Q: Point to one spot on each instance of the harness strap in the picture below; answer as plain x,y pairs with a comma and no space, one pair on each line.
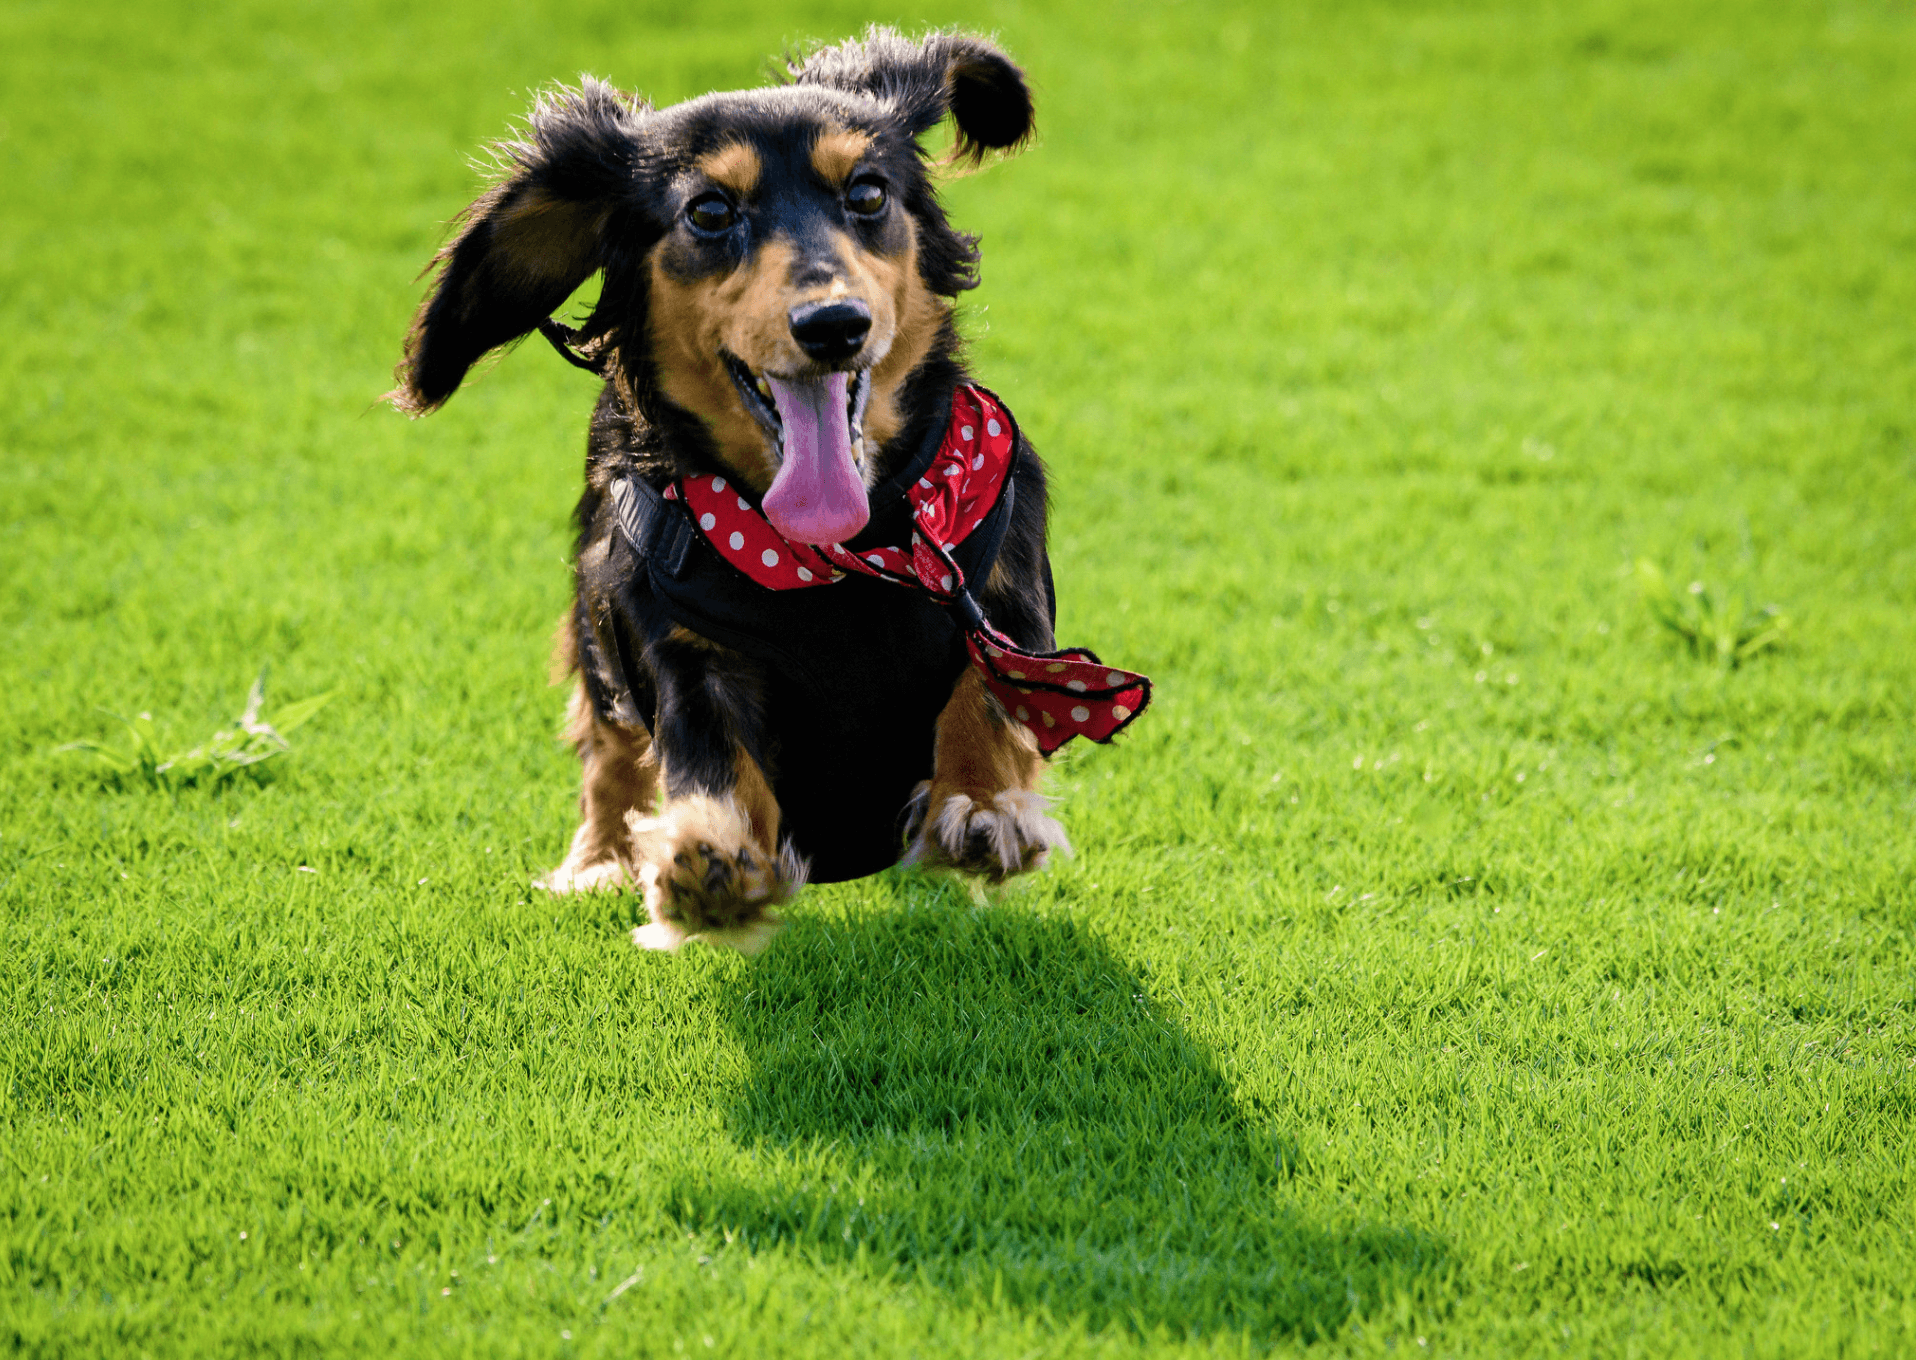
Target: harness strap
568,341
1055,695
655,531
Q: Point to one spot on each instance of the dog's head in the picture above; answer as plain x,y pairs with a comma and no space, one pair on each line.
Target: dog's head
776,261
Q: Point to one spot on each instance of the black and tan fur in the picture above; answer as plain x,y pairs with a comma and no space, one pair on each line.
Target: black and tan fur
601,182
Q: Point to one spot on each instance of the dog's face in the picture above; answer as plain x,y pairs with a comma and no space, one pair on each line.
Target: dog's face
785,301
776,261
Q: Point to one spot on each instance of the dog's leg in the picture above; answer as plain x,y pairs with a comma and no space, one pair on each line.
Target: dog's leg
710,861
621,775
710,869
981,812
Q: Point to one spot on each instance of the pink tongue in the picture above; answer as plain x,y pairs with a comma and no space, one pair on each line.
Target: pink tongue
817,496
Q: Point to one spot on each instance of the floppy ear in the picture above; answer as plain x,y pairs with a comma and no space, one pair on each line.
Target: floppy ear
527,242
943,73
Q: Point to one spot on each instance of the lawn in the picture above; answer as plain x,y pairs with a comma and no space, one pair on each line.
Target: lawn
1453,963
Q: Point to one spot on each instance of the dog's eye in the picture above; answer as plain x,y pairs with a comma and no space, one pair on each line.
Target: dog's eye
866,197
711,212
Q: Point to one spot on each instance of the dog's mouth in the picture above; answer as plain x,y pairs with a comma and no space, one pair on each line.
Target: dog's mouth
816,425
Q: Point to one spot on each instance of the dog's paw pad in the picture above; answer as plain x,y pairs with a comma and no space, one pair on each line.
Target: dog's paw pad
1007,834
704,878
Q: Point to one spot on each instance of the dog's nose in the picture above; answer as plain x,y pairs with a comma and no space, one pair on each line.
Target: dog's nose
830,331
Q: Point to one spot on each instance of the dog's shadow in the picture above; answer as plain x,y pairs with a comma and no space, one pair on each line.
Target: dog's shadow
986,1101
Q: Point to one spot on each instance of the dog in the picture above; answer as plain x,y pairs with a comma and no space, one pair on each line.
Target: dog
872,677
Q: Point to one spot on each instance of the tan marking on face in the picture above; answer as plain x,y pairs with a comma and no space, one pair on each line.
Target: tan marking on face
905,320
837,152
734,165
748,313
743,312
913,315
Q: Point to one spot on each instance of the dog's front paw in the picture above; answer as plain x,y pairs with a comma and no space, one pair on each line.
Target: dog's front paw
607,875
705,878
1007,834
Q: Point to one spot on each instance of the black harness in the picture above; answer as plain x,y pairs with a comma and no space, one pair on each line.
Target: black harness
856,672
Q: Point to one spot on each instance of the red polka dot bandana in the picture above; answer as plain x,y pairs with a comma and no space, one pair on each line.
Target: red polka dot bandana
1057,695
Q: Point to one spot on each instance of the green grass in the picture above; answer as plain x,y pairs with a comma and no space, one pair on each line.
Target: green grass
1453,962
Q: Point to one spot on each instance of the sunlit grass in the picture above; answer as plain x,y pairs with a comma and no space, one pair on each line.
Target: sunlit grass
1720,626
250,742
1452,962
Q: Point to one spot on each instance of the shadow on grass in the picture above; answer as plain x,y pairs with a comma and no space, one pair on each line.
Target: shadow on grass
987,1102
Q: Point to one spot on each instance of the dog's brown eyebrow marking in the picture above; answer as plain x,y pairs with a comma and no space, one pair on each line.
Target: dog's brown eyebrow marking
735,165
837,152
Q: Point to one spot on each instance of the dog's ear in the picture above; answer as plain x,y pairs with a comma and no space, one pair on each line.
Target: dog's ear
925,79
528,241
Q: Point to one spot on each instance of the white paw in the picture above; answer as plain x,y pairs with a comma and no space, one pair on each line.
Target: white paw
608,875
747,939
1010,834
705,878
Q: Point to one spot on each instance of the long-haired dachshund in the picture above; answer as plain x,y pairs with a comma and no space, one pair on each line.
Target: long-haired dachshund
814,607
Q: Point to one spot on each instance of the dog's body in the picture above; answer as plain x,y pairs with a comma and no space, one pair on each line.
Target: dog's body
776,313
